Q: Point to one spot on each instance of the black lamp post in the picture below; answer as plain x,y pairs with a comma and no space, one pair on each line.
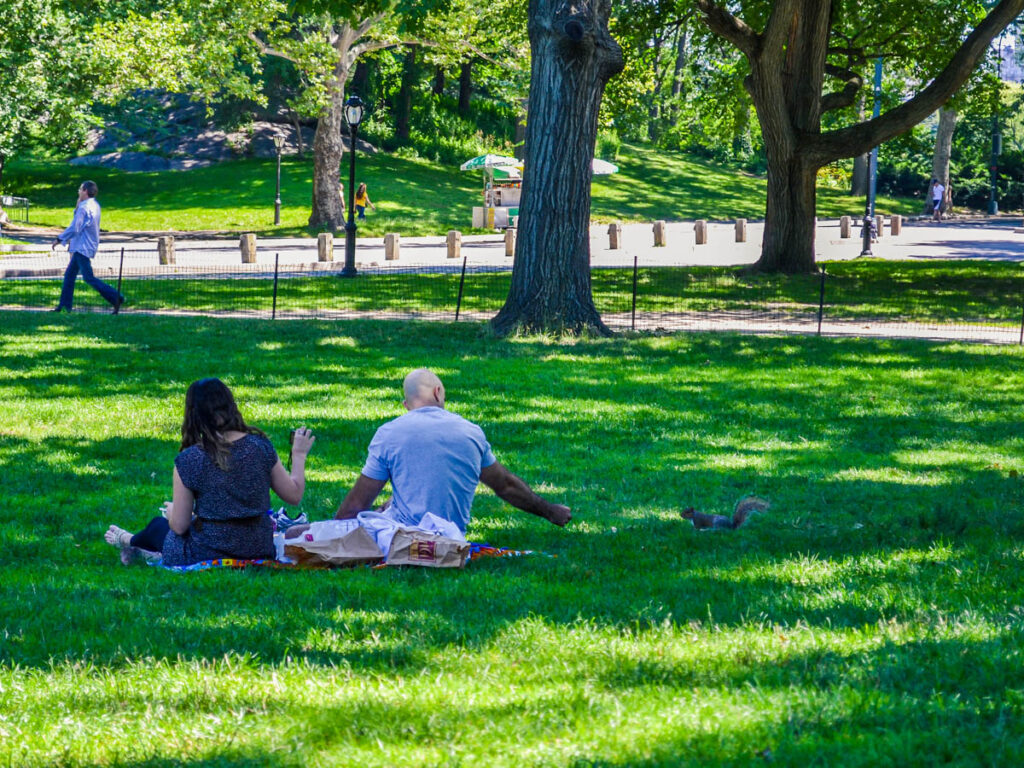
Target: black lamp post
869,203
353,116
278,145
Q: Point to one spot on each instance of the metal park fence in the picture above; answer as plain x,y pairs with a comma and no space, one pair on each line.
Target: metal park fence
884,299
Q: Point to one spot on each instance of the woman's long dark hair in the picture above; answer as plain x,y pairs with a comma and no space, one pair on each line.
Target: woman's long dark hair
210,411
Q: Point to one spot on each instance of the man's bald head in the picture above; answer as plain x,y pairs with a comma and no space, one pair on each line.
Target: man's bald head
422,388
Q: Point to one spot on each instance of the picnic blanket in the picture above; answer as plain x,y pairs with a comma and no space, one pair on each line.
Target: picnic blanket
477,551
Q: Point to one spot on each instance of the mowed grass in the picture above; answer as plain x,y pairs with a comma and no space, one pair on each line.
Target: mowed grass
872,617
947,292
413,196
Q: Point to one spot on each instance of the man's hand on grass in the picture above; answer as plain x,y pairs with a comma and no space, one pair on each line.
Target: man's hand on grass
559,514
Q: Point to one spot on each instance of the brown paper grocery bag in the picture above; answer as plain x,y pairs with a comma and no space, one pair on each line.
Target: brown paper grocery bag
410,547
354,548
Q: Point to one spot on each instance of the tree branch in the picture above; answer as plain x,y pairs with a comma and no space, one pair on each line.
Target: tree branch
266,50
733,29
853,82
859,139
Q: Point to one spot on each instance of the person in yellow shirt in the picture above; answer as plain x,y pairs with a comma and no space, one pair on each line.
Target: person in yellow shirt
362,200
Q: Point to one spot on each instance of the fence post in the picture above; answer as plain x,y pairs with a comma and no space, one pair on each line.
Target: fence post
1021,342
615,236
700,232
392,246
510,242
659,234
741,230
454,243
165,249
273,309
120,272
844,227
632,322
325,246
821,300
247,244
879,226
895,224
462,283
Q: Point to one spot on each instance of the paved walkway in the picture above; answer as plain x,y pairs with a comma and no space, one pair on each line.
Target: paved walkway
982,239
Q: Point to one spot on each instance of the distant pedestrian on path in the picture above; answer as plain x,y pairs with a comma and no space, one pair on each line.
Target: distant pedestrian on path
83,239
363,200
937,199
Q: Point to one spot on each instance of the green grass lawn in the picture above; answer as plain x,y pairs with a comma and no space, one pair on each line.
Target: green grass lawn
872,617
870,289
413,197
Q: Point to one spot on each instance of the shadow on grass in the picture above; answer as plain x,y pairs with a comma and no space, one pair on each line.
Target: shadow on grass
865,449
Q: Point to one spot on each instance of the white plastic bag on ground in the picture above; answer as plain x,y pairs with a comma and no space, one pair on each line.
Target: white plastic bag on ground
382,528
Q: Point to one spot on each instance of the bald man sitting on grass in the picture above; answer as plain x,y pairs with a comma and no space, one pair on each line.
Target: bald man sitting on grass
434,460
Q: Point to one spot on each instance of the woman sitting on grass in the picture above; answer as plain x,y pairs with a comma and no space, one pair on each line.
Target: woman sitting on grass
222,482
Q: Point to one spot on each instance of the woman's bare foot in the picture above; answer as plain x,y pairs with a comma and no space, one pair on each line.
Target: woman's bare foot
122,539
118,537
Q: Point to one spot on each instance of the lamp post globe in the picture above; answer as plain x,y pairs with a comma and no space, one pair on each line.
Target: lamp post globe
353,116
279,146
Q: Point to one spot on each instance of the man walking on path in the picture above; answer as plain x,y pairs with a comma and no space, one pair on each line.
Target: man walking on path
83,239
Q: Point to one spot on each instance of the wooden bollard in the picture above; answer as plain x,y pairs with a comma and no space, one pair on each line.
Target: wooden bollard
879,225
700,232
454,244
614,236
165,249
844,227
660,238
741,230
510,242
895,224
248,247
392,246
325,247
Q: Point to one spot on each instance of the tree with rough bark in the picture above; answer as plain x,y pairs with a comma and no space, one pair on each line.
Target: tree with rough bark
573,56
944,149
796,49
195,45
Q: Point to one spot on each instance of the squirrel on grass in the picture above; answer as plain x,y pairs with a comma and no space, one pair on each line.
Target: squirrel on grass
702,521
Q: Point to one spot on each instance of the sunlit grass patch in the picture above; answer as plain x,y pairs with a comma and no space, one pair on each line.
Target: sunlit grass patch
871,616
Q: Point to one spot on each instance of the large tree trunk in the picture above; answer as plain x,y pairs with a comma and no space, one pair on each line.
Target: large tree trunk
677,73
788,108
327,212
573,57
654,108
789,219
943,145
403,112
465,87
787,65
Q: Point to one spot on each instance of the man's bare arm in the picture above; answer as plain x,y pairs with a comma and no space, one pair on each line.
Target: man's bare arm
360,498
517,493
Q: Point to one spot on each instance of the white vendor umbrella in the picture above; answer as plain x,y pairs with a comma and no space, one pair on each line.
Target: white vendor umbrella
488,161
